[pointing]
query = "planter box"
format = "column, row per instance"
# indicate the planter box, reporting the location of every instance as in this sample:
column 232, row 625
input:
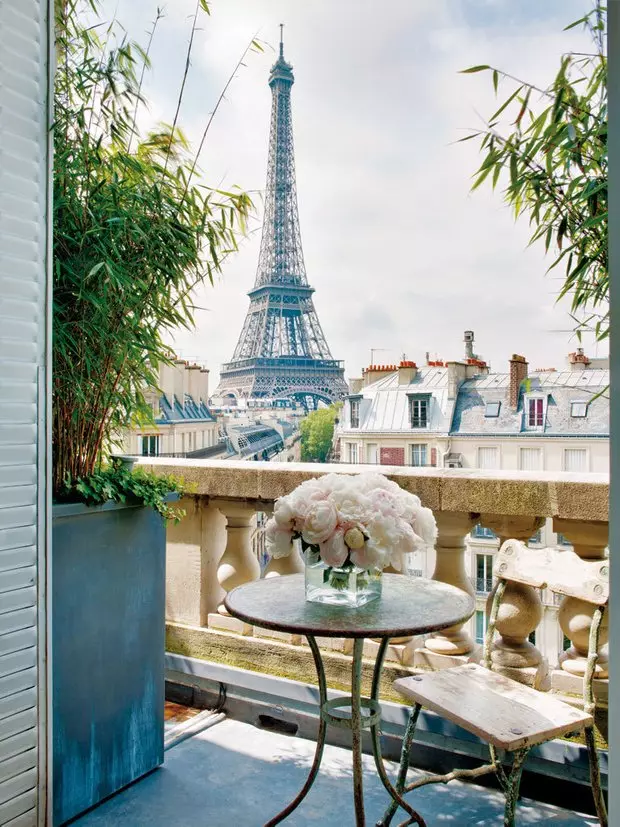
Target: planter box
column 108, row 626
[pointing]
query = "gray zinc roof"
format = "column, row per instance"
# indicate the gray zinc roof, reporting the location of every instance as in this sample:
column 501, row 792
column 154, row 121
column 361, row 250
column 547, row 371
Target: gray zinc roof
column 384, row 405
column 559, row 388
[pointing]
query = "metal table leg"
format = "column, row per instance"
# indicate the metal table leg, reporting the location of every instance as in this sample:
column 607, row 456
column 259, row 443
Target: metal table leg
column 356, row 732
column 320, row 741
column 397, row 798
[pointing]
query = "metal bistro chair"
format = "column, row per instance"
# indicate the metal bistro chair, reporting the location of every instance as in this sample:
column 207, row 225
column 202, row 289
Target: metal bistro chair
column 506, row 714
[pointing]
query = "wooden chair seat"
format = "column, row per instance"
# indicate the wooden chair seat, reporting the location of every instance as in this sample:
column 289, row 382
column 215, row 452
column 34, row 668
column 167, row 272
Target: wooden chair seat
column 503, row 712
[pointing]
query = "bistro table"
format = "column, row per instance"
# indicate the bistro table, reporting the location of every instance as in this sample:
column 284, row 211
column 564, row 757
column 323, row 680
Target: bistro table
column 408, row 606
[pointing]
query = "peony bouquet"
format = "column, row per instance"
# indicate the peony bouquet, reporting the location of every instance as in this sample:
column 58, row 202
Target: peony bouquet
column 346, row 521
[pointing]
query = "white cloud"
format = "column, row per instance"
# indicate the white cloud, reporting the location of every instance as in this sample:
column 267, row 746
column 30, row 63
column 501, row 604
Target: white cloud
column 402, row 256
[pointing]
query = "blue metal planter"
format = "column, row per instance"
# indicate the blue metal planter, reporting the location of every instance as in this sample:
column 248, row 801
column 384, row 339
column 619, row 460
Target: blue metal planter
column 108, row 625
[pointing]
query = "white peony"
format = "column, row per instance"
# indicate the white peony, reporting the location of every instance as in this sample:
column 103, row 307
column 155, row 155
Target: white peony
column 425, row 525
column 320, row 521
column 283, row 513
column 370, row 556
column 334, row 551
column 278, row 541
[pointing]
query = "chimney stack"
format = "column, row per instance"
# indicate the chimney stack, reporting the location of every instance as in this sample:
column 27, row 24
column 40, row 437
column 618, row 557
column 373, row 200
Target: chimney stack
column 518, row 372
column 468, row 338
column 578, row 360
column 406, row 372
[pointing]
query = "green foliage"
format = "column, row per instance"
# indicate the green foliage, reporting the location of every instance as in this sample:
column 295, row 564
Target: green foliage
column 552, row 161
column 118, row 483
column 317, row 433
column 134, row 232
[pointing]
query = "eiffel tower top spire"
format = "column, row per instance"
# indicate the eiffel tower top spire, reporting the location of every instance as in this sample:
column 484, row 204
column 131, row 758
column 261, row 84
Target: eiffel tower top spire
column 281, row 259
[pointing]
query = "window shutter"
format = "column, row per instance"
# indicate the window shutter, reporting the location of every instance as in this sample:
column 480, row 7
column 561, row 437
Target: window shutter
column 24, row 155
column 434, row 457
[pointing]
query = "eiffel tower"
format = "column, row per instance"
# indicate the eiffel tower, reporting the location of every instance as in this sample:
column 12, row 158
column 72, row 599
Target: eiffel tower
column 282, row 352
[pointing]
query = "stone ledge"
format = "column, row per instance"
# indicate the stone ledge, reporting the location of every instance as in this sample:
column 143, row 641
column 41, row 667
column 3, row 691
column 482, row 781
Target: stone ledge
column 514, row 493
column 276, row 658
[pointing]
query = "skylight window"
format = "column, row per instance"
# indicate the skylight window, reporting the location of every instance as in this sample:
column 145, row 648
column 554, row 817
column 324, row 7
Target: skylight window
column 492, row 409
column 578, row 409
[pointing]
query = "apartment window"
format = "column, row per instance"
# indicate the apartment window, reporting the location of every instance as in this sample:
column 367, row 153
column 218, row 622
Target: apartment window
column 492, row 409
column 536, row 539
column 535, row 413
column 372, row 453
column 352, row 452
column 481, row 626
column 418, row 408
column 355, row 412
column 578, row 409
column 563, row 541
column 575, row 459
column 530, row 459
column 488, row 458
column 418, row 455
column 484, row 573
column 479, row 532
column 532, row 637
column 150, row 446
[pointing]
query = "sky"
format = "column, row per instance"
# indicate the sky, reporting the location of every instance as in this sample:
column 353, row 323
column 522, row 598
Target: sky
column 403, row 257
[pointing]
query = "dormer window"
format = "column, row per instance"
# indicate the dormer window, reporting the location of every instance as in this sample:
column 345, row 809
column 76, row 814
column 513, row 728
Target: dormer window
column 355, row 412
column 578, row 410
column 535, row 412
column 418, row 411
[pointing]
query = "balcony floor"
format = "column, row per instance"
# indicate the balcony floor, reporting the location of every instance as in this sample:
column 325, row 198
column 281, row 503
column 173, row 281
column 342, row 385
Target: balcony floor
column 236, row 775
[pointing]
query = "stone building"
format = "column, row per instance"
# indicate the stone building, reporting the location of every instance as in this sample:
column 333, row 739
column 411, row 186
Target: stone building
column 184, row 425
column 460, row 414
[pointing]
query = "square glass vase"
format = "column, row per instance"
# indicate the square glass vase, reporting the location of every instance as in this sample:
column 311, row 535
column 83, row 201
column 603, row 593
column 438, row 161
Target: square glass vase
column 348, row 586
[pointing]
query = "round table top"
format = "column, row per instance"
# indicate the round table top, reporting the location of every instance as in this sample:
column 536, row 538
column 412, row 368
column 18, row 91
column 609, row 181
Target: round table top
column 407, row 606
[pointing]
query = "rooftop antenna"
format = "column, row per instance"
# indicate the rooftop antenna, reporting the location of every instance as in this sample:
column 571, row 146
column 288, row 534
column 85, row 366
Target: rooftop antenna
column 281, row 39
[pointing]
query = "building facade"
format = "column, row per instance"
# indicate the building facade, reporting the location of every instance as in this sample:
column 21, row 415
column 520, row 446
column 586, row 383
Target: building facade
column 184, row 425
column 461, row 415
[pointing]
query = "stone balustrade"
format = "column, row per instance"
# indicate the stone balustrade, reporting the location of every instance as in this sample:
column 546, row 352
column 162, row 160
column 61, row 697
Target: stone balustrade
column 211, row 551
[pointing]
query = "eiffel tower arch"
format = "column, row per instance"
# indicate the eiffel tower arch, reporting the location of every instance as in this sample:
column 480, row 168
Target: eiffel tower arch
column 282, row 352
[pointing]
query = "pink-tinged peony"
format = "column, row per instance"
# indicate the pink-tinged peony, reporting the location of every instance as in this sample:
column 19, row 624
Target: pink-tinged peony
column 279, row 541
column 334, row 551
column 369, row 556
column 354, row 538
column 320, row 522
column 283, row 513
column 384, row 502
column 353, row 507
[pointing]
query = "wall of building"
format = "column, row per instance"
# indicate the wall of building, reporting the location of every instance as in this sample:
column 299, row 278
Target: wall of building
column 179, row 438
column 552, row 452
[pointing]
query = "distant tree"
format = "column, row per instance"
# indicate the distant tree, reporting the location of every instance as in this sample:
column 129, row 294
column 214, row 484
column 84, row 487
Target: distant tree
column 317, row 433
column 552, row 160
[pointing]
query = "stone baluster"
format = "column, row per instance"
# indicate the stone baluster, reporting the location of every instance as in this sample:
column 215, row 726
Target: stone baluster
column 238, row 564
column 520, row 612
column 589, row 540
column 194, row 547
column 454, row 645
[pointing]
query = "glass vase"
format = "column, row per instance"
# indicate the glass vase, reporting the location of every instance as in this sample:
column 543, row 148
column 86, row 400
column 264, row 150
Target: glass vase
column 347, row 585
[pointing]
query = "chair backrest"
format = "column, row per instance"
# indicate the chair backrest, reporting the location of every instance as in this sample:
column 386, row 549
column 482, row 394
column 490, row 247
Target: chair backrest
column 563, row 572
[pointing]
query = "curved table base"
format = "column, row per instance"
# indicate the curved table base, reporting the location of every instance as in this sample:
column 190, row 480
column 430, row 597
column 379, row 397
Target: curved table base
column 365, row 714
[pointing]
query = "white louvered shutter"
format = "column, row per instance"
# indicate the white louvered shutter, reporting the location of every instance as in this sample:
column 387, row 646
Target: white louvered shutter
column 24, row 154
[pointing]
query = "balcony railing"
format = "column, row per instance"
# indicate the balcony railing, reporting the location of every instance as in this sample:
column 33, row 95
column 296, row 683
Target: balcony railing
column 216, row 548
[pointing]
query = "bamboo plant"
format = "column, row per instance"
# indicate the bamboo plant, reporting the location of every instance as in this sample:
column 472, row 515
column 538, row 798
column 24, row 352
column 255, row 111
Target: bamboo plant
column 135, row 230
